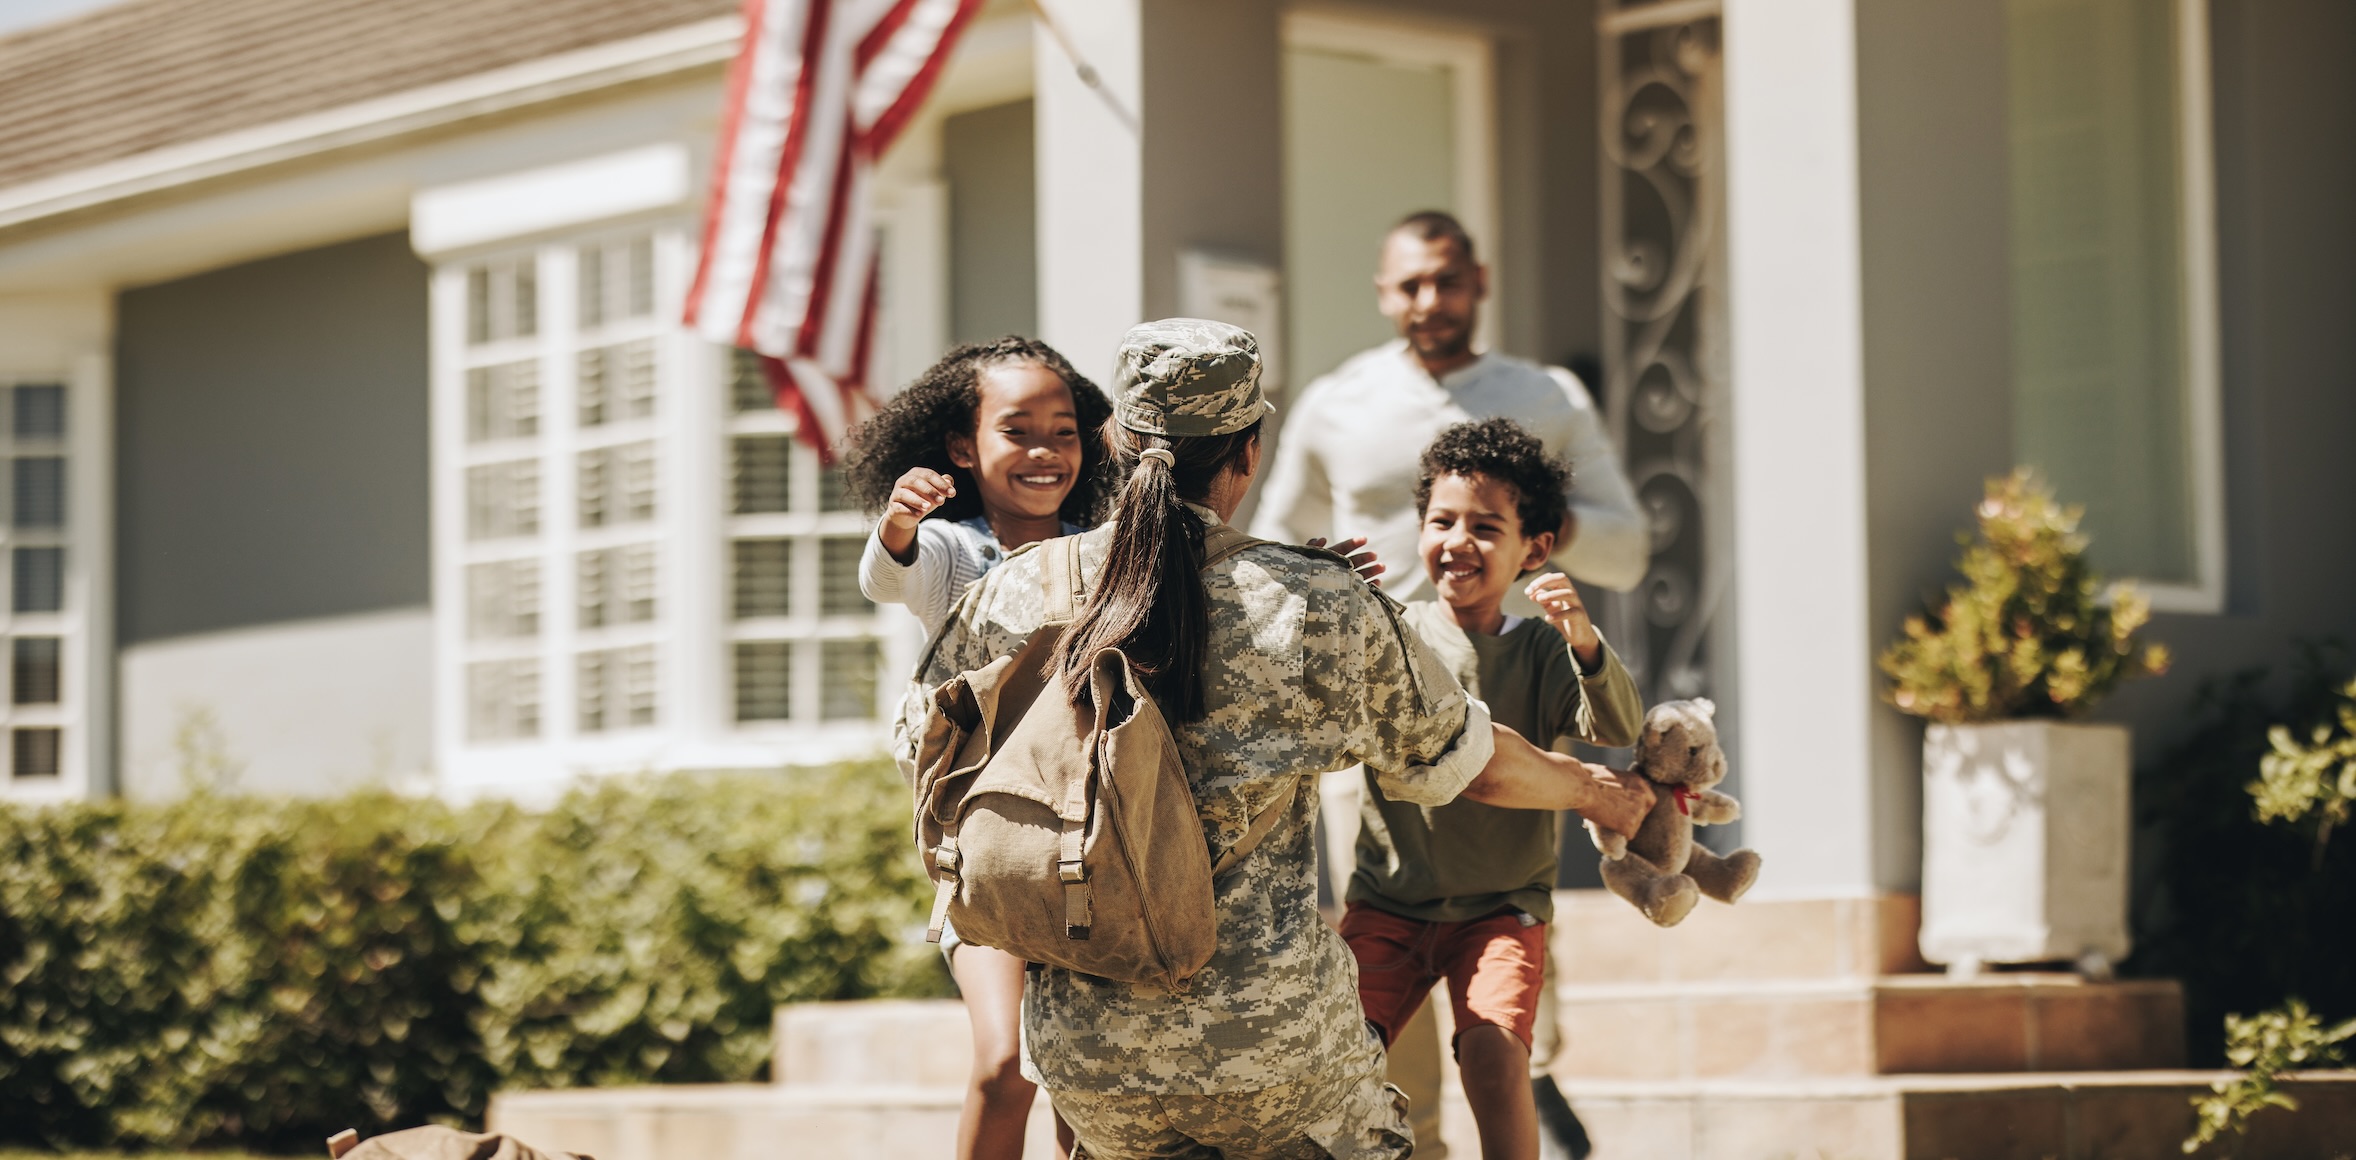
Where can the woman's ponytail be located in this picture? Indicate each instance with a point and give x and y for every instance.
(1148, 600)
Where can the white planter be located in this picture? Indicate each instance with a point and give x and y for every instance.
(2024, 844)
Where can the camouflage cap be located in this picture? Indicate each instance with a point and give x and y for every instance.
(1187, 378)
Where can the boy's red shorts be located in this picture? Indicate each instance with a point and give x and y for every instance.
(1495, 967)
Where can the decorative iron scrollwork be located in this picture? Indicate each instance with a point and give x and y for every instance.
(1664, 333)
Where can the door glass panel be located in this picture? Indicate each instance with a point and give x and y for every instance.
(1348, 123)
(2100, 393)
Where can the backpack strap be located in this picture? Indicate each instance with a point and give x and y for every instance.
(1059, 575)
(944, 885)
(1223, 541)
(1071, 867)
(1264, 822)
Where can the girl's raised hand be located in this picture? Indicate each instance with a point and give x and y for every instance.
(1560, 602)
(918, 492)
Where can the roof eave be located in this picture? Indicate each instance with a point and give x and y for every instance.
(685, 48)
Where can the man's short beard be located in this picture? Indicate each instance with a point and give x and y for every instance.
(1456, 347)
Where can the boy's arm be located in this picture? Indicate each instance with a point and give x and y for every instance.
(1605, 708)
(1595, 700)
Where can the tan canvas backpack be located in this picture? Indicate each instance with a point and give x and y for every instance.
(1043, 825)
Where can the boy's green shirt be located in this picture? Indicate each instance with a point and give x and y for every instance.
(1464, 860)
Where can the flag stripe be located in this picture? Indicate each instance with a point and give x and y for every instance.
(791, 265)
(847, 288)
(863, 347)
(796, 402)
(740, 77)
(740, 195)
(886, 126)
(878, 38)
(789, 167)
(810, 338)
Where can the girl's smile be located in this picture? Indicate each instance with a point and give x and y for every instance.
(1025, 450)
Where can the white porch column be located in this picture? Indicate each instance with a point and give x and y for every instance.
(1177, 150)
(1803, 652)
(1090, 203)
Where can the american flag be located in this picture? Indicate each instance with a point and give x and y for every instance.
(788, 270)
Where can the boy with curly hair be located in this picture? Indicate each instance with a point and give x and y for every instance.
(1464, 892)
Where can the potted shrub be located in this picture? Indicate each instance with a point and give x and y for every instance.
(2025, 811)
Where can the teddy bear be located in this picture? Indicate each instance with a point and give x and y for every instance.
(1662, 870)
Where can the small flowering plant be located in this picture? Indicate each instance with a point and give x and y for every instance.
(2313, 778)
(2027, 633)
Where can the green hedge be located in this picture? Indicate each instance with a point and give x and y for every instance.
(230, 970)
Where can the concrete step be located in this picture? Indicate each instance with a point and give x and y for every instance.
(749, 1122)
(2078, 1116)
(887, 1042)
(1599, 939)
(1898, 1024)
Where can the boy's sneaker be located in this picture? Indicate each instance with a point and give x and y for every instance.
(1560, 1134)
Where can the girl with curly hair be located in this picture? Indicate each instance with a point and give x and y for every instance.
(994, 447)
(998, 445)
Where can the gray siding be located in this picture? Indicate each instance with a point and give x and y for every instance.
(987, 157)
(1933, 192)
(271, 442)
(2286, 177)
(1933, 179)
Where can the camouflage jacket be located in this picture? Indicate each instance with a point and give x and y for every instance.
(1309, 670)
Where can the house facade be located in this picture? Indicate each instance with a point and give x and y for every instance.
(354, 438)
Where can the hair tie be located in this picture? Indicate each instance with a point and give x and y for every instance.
(1159, 455)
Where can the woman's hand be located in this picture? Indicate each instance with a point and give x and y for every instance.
(1522, 776)
(918, 491)
(1621, 799)
(1361, 562)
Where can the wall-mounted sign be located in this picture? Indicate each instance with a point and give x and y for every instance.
(1242, 293)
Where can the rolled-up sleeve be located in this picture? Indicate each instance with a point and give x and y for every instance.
(1609, 711)
(1414, 726)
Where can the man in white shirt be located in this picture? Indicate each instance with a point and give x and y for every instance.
(1346, 463)
(1346, 466)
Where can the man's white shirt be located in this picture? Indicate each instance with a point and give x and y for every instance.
(1347, 462)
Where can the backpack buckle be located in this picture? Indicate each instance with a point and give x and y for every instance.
(945, 860)
(1078, 914)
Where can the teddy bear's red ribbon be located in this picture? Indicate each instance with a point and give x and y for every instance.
(1684, 795)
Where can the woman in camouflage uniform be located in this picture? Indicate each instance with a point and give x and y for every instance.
(1272, 667)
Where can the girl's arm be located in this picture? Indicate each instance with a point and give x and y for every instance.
(925, 583)
(918, 492)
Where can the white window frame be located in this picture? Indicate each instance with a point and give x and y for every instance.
(2200, 350)
(694, 631)
(2204, 407)
(1470, 60)
(806, 626)
(84, 624)
(561, 750)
